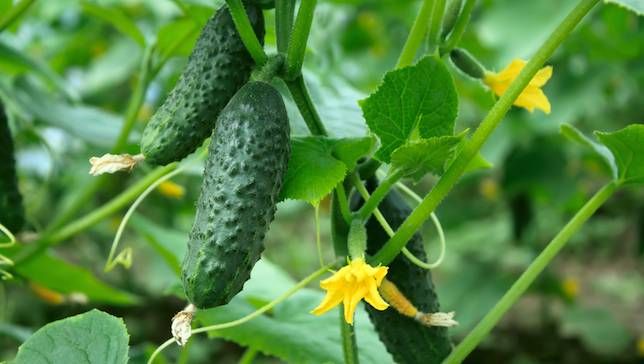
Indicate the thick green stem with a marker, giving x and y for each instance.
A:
(378, 194)
(95, 216)
(416, 35)
(284, 13)
(459, 28)
(14, 13)
(299, 37)
(349, 347)
(421, 213)
(436, 26)
(525, 280)
(246, 32)
(302, 99)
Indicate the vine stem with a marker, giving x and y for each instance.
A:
(378, 194)
(14, 13)
(459, 28)
(349, 346)
(284, 13)
(267, 307)
(422, 212)
(436, 25)
(95, 216)
(246, 32)
(529, 275)
(302, 99)
(299, 37)
(416, 34)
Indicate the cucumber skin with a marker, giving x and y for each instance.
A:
(407, 341)
(11, 210)
(218, 66)
(247, 162)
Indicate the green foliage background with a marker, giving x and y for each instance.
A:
(67, 70)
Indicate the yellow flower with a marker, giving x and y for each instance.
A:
(171, 189)
(532, 96)
(570, 287)
(349, 285)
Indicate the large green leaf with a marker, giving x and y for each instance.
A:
(636, 6)
(61, 276)
(420, 97)
(91, 337)
(318, 164)
(117, 18)
(627, 146)
(419, 157)
(290, 332)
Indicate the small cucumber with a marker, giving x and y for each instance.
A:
(11, 210)
(246, 165)
(406, 339)
(218, 66)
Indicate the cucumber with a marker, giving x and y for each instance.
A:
(247, 161)
(11, 210)
(406, 339)
(218, 66)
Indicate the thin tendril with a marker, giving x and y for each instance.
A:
(318, 242)
(125, 256)
(4, 275)
(301, 284)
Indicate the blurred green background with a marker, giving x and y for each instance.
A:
(66, 75)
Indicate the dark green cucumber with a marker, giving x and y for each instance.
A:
(218, 66)
(408, 341)
(246, 165)
(11, 211)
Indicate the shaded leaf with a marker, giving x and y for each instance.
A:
(636, 6)
(177, 37)
(419, 157)
(419, 97)
(318, 164)
(169, 243)
(117, 18)
(91, 337)
(598, 328)
(627, 146)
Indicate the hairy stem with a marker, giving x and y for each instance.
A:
(284, 13)
(416, 35)
(529, 275)
(246, 32)
(299, 37)
(421, 213)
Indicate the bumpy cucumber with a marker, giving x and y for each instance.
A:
(218, 66)
(246, 165)
(11, 211)
(408, 341)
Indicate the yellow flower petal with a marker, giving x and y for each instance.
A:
(330, 300)
(532, 96)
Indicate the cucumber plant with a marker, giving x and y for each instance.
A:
(11, 210)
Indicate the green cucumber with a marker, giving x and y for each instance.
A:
(246, 165)
(406, 339)
(11, 210)
(218, 66)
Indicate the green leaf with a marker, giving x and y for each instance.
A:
(91, 337)
(318, 164)
(177, 37)
(419, 157)
(598, 328)
(66, 278)
(599, 150)
(169, 243)
(117, 18)
(636, 6)
(627, 146)
(290, 332)
(420, 97)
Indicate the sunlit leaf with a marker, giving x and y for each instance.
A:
(419, 157)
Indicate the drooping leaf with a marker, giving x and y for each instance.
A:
(318, 164)
(627, 146)
(599, 150)
(117, 18)
(91, 337)
(419, 157)
(290, 332)
(636, 6)
(177, 37)
(420, 97)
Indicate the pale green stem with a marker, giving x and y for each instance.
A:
(436, 26)
(459, 28)
(284, 13)
(14, 13)
(416, 35)
(246, 32)
(299, 38)
(414, 221)
(349, 347)
(249, 356)
(529, 275)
